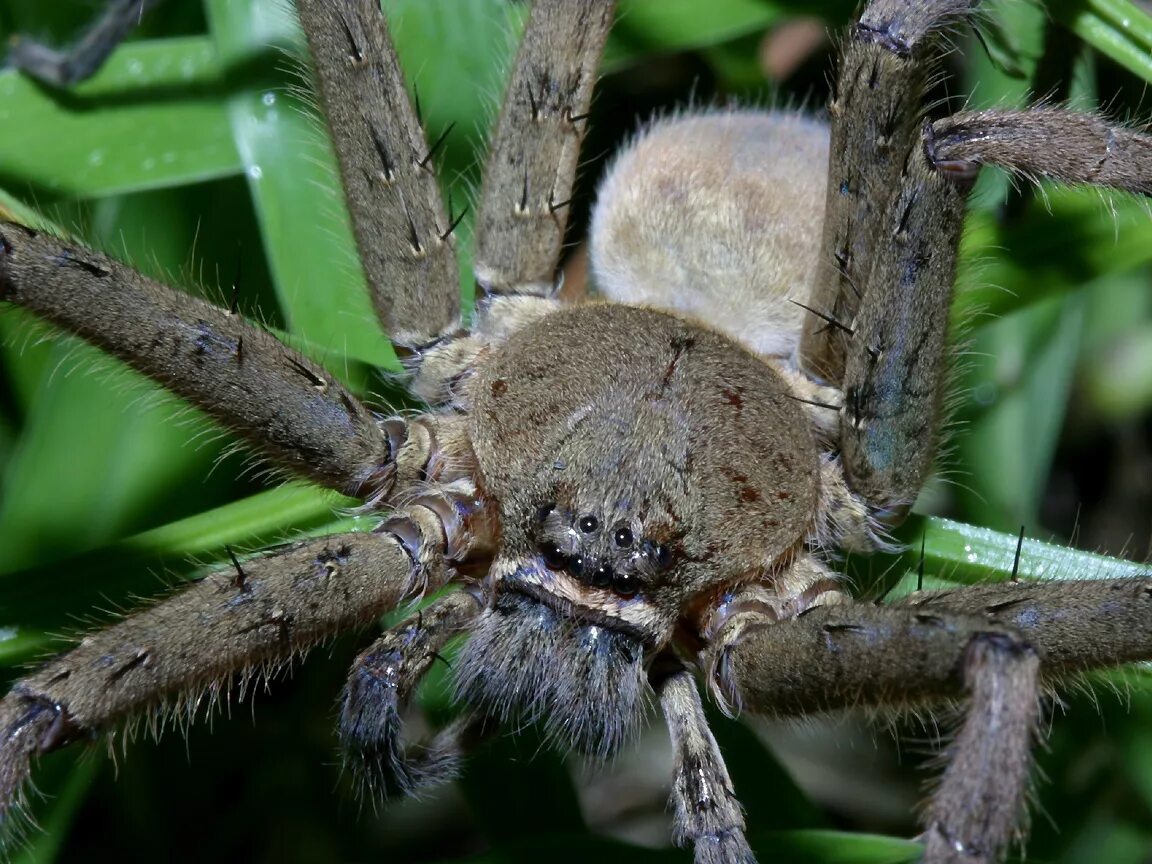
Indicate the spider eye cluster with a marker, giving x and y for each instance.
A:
(611, 559)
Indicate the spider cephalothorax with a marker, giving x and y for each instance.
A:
(635, 485)
(623, 492)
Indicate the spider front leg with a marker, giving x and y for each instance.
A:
(228, 628)
(705, 810)
(995, 644)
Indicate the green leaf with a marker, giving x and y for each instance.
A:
(152, 118)
(969, 554)
(1116, 28)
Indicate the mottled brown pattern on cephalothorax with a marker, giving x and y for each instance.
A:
(652, 435)
(621, 493)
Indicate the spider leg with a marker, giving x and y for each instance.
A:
(527, 186)
(1077, 624)
(381, 682)
(228, 628)
(896, 365)
(1045, 141)
(536, 147)
(706, 812)
(834, 657)
(996, 644)
(875, 113)
(63, 68)
(402, 233)
(292, 409)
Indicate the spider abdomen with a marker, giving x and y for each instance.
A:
(717, 215)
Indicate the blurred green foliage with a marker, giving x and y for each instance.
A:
(193, 156)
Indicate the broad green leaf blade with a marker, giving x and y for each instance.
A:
(955, 552)
(294, 186)
(835, 847)
(645, 27)
(795, 847)
(152, 118)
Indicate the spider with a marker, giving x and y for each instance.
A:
(629, 497)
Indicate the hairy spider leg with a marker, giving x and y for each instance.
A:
(998, 645)
(887, 57)
(63, 68)
(189, 652)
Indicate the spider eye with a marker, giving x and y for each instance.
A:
(626, 584)
(658, 554)
(589, 523)
(576, 565)
(663, 556)
(603, 576)
(545, 511)
(623, 537)
(553, 555)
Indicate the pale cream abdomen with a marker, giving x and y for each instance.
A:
(717, 216)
